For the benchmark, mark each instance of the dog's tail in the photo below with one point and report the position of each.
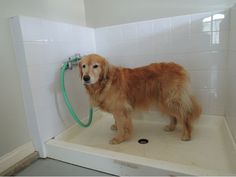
(196, 109)
(190, 108)
(183, 105)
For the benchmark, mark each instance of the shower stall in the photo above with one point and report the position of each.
(204, 43)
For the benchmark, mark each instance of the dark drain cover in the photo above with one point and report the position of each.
(143, 141)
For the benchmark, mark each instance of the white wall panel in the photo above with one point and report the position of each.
(47, 44)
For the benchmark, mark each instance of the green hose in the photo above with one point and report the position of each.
(64, 67)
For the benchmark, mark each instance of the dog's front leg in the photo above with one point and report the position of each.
(124, 128)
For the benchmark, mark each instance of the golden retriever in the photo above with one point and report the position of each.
(120, 91)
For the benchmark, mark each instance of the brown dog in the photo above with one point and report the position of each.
(120, 91)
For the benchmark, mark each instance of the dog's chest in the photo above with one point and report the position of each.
(107, 102)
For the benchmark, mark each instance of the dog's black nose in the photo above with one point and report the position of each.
(86, 78)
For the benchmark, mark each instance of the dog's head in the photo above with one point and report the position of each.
(93, 68)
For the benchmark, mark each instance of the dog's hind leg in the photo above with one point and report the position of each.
(171, 127)
(187, 130)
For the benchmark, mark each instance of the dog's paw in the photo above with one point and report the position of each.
(115, 141)
(169, 128)
(113, 127)
(186, 138)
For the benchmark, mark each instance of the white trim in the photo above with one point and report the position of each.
(26, 90)
(18, 154)
(107, 161)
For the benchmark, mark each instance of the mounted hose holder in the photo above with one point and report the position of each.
(69, 65)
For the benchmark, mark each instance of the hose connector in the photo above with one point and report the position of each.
(72, 61)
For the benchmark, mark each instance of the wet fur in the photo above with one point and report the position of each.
(121, 91)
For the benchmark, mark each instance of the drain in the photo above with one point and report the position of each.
(143, 141)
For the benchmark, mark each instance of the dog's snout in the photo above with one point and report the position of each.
(86, 78)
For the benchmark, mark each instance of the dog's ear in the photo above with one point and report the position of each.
(106, 70)
(80, 69)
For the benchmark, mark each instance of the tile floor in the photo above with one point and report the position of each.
(50, 167)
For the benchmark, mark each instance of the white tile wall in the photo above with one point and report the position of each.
(196, 41)
(231, 90)
(197, 24)
(47, 45)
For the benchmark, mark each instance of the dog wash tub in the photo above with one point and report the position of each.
(210, 152)
(42, 46)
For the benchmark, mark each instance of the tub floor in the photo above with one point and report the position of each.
(209, 148)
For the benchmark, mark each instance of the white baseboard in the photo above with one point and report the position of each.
(18, 154)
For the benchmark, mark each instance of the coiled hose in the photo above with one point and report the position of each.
(65, 67)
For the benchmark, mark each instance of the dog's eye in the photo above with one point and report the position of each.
(95, 66)
(84, 66)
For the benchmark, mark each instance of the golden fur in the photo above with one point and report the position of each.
(120, 91)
